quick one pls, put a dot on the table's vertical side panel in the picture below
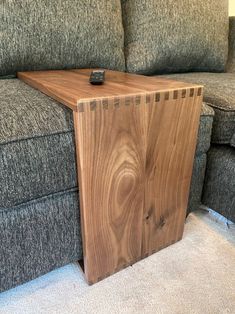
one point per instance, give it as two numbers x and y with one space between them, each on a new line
171 141
110 136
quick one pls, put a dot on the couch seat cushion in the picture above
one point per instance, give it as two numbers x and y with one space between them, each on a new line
37 155
39 236
220 94
219 186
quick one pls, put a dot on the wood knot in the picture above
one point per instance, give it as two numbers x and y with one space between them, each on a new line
149 213
162 222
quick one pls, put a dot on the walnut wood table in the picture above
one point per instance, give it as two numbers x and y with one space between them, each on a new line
135 141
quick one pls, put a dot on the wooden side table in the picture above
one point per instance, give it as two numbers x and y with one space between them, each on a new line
135 140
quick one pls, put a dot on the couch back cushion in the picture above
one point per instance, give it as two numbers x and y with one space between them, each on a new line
163 36
60 34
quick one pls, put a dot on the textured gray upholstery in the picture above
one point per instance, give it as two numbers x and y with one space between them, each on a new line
197 181
58 34
205 129
27 113
220 94
219 188
231 59
37 155
203 145
233 141
36 167
39 236
175 36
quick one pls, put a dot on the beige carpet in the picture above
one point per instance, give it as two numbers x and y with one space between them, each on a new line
196 275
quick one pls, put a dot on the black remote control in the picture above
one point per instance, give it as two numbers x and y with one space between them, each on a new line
97 77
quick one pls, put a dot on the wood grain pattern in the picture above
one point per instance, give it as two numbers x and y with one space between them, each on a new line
135 142
71 86
111 166
171 140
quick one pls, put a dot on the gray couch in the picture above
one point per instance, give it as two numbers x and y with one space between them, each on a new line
39 201
219 184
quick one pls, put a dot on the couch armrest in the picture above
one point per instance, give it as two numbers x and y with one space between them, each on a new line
231 57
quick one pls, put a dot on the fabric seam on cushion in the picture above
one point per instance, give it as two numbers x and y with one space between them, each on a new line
35 137
41 198
220 107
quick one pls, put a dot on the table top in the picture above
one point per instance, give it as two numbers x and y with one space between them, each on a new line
71 87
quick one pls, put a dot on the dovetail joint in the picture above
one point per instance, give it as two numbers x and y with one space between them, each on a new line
81 107
157 97
175 94
93 105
